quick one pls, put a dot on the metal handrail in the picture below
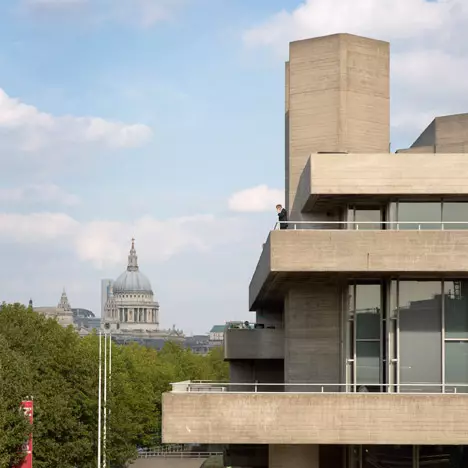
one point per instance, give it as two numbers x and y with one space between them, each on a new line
259 387
148 453
394 225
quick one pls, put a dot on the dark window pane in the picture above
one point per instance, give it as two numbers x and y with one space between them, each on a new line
456 309
368 302
419 215
455 212
368 362
387 456
420 337
442 456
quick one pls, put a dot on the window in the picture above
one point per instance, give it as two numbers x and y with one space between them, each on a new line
365 343
420 335
453 212
419 215
429 215
456 335
366 218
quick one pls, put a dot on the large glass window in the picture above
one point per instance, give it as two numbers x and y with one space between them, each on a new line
420 335
428 215
456 335
419 215
408 456
366 218
366 314
455 215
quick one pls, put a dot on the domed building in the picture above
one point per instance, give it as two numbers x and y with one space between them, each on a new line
130 307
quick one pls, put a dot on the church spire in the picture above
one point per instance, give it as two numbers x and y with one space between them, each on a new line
132 258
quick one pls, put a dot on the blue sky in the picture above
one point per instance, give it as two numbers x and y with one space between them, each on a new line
144 117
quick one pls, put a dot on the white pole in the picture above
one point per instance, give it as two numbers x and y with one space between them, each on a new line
110 370
104 456
99 402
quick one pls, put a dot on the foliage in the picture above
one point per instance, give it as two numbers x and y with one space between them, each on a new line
215 461
60 370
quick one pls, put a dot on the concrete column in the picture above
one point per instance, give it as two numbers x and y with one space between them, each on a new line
312 335
297 456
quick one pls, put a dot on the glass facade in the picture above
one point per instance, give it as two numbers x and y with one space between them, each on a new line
428 215
366 218
407 456
365 343
416 341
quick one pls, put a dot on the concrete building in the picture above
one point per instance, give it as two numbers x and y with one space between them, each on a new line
362 359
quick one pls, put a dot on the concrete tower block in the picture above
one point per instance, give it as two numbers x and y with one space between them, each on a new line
337 100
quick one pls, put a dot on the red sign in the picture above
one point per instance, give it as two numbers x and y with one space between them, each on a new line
27 448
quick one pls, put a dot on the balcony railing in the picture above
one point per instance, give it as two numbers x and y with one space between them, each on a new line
375 225
190 386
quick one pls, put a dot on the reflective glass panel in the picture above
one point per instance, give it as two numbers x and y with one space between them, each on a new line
368 219
387 456
443 456
368 305
419 215
420 334
368 362
456 309
456 364
453 212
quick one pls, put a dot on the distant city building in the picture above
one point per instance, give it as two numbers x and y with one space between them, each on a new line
217 333
62 312
130 307
84 318
106 285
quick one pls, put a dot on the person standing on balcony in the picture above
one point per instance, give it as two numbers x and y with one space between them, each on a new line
282 216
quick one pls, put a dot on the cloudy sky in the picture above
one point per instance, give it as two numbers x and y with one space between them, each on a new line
163 120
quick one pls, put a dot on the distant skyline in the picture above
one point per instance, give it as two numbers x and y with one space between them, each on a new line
163 120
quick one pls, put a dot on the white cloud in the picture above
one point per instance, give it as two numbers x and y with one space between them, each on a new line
256 199
106 243
38 193
23 127
36 227
429 44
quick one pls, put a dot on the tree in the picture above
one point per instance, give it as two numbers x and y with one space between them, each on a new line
14 381
59 369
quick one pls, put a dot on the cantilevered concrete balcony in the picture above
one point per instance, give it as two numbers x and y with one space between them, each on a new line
327 179
253 343
296 255
309 414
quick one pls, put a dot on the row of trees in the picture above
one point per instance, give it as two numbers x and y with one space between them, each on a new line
59 370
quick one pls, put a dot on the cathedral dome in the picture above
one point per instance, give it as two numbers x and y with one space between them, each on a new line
132 280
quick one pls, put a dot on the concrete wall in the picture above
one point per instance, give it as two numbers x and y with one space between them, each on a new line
254 344
446 134
383 174
318 252
312 334
337 99
315 418
251 371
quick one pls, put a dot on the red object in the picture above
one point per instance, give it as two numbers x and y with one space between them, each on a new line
27 448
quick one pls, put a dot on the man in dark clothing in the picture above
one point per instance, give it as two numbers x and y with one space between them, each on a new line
282 217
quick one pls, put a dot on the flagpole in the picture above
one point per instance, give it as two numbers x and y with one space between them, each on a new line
99 402
110 372
104 455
